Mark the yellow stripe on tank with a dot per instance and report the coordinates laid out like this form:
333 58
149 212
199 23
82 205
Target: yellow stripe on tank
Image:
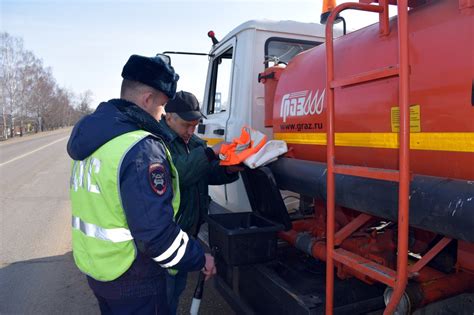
431 141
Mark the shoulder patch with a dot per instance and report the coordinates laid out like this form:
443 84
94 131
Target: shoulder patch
157 178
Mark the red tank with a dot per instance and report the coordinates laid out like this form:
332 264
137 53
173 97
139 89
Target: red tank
441 43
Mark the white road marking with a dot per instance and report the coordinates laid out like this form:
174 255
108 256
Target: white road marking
31 152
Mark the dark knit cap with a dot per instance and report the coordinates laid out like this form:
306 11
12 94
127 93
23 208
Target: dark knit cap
152 71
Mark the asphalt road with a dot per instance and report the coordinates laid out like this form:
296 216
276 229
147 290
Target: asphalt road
37 273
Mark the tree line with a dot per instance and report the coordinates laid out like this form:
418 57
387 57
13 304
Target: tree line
30 98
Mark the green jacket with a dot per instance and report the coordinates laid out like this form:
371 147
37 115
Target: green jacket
196 172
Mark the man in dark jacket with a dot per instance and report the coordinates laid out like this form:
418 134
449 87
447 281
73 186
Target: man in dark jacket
125 196
197 167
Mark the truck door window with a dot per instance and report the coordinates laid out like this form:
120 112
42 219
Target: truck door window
219 96
278 50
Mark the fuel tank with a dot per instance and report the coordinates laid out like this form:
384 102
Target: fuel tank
441 62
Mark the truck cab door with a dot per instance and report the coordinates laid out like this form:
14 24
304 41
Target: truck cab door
218 94
219 100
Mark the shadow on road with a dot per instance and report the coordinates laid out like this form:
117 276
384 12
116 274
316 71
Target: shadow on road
53 285
49 285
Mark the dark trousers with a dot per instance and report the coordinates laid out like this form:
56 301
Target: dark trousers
175 286
152 304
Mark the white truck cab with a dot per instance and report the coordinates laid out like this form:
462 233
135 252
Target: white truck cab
233 98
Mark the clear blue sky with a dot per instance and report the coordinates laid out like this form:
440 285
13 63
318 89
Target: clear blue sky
87 42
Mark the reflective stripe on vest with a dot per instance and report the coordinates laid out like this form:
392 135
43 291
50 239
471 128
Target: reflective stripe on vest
114 235
103 246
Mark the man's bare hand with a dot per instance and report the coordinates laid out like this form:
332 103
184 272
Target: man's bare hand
209 267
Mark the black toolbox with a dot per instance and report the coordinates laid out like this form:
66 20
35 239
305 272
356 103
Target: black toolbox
242 238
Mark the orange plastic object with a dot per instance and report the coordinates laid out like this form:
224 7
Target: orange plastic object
249 142
328 5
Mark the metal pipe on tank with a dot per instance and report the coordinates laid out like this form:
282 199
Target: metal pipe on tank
440 205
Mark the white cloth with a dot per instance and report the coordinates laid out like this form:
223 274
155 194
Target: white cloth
267 154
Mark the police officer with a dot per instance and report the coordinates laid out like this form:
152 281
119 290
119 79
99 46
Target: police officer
198 167
125 194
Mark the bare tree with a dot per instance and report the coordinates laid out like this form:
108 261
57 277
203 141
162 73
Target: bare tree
30 73
85 100
11 57
42 96
20 70
29 93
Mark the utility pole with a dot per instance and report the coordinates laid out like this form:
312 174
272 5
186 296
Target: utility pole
12 126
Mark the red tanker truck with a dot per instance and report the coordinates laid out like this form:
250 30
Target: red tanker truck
372 207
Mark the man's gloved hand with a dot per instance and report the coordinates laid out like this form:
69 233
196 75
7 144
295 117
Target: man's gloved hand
231 169
209 269
212 153
217 147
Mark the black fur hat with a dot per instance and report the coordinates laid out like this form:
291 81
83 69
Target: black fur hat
156 72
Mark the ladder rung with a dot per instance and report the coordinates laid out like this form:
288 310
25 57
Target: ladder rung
368 172
365 266
363 77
